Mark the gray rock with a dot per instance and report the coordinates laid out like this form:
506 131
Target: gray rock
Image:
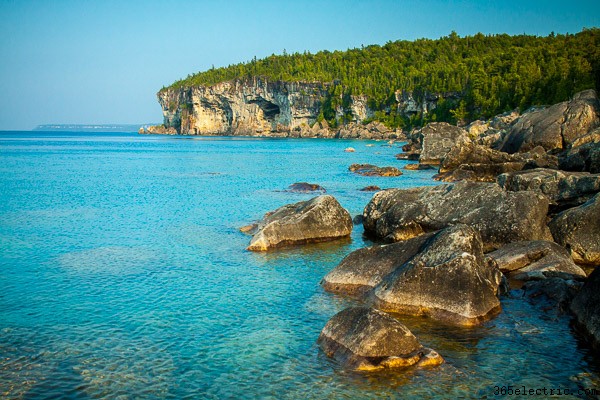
563 189
365 339
537 259
438 138
319 219
578 229
501 217
363 269
584 155
449 280
555 127
585 306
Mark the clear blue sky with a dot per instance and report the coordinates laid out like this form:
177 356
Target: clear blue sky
103 61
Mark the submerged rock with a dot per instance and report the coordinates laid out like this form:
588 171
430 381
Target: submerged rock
319 219
370 188
553 293
555 127
501 217
373 170
448 279
536 259
563 189
578 229
365 339
585 306
305 187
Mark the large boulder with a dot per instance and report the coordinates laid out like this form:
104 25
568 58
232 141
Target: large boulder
363 269
552 293
319 219
437 139
365 339
563 189
449 280
555 127
479 163
501 217
537 259
585 306
584 155
578 229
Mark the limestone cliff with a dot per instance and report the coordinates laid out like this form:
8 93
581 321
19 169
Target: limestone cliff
259 107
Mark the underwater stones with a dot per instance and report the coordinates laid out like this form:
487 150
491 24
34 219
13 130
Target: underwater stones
578 229
316 220
305 187
536 259
373 170
370 188
501 217
448 280
365 339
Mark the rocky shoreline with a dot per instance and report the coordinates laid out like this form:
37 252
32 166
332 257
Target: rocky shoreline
523 204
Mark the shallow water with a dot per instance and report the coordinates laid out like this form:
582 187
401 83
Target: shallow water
123 275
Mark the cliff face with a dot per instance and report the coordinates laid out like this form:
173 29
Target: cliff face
258 107
255 107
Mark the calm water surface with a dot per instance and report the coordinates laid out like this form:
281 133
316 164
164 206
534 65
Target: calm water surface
123 275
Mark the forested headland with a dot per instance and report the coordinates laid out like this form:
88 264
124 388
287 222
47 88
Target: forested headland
489 74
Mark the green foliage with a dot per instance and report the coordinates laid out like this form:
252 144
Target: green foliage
491 73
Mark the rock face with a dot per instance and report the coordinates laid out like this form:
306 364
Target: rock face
552 293
373 170
501 217
563 189
365 339
319 219
437 139
536 259
364 269
578 229
585 306
556 127
448 280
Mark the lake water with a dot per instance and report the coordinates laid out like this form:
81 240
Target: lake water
123 275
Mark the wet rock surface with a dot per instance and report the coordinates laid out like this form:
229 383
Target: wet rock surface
366 339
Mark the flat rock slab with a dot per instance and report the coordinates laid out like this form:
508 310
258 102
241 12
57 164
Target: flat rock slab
319 219
501 217
537 259
578 229
366 339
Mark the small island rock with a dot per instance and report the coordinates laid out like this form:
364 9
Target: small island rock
319 219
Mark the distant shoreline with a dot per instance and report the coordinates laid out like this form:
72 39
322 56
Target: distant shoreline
90 127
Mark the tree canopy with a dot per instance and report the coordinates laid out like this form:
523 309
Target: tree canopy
490 73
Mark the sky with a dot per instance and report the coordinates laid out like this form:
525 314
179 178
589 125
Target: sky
102 62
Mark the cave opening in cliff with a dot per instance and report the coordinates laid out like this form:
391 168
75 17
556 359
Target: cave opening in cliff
270 110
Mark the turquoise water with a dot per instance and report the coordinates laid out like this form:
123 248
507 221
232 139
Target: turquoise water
123 275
